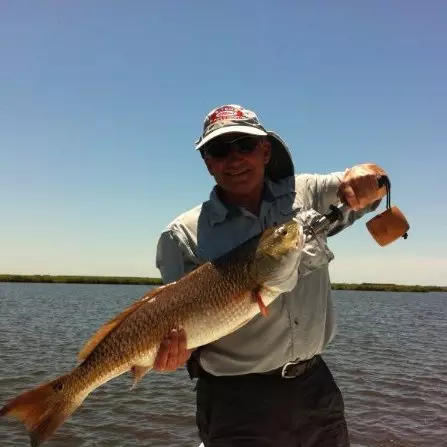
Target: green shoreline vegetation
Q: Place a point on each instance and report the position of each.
(136, 280)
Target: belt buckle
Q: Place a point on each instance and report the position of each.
(284, 370)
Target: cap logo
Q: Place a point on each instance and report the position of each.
(226, 113)
(229, 118)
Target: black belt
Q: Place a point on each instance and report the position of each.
(291, 370)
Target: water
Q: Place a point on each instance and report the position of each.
(389, 359)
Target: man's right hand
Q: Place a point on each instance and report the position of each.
(172, 352)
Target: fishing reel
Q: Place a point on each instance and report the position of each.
(385, 228)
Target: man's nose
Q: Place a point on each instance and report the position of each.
(234, 154)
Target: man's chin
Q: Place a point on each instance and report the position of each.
(239, 186)
(243, 177)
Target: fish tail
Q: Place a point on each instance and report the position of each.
(44, 408)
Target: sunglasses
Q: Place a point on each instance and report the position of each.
(221, 147)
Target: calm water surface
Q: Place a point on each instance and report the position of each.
(389, 359)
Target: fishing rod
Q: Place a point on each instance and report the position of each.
(385, 227)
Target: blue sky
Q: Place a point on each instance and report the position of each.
(100, 103)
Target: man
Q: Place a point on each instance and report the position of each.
(265, 384)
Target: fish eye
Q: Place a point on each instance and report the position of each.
(58, 386)
(282, 231)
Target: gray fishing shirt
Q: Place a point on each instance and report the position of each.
(300, 323)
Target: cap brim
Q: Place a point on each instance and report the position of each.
(231, 129)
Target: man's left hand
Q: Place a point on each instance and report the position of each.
(359, 187)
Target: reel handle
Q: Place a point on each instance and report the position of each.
(388, 226)
(391, 224)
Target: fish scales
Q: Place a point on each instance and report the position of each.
(208, 303)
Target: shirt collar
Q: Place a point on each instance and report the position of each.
(219, 211)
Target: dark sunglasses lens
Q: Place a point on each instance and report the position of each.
(247, 146)
(221, 148)
(218, 150)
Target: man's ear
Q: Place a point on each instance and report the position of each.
(267, 150)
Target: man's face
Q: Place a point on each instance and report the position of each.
(237, 161)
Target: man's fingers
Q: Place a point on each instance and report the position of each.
(185, 357)
(360, 191)
(172, 361)
(359, 186)
(182, 341)
(184, 353)
(350, 197)
(172, 352)
(367, 189)
(162, 355)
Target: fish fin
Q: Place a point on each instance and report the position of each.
(138, 372)
(112, 324)
(43, 409)
(258, 298)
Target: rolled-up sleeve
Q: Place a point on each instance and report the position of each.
(172, 257)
